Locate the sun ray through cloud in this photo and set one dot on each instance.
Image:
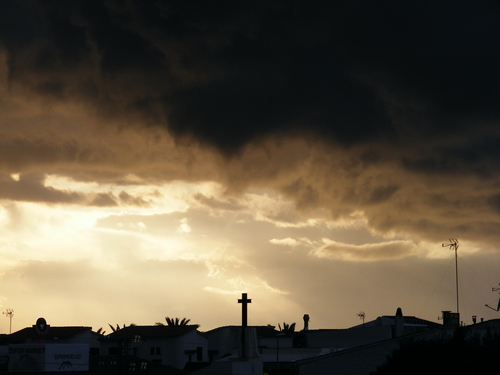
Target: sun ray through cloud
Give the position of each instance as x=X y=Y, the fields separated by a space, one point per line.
x=311 y=154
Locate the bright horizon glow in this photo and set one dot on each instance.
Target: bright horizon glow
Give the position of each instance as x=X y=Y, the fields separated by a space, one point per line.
x=116 y=243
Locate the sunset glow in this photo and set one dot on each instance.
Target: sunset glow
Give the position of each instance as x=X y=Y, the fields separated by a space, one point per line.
x=159 y=160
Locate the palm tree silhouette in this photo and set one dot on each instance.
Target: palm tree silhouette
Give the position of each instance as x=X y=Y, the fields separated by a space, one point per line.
x=177 y=321
x=287 y=328
x=117 y=328
x=174 y=322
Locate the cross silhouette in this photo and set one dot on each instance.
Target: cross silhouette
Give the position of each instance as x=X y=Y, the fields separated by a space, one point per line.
x=244 y=315
x=244 y=301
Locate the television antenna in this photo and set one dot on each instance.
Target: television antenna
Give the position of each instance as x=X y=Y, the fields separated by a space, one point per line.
x=453 y=245
x=361 y=315
x=9 y=313
x=498 y=306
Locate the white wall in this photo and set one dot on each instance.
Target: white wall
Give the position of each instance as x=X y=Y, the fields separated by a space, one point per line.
x=174 y=350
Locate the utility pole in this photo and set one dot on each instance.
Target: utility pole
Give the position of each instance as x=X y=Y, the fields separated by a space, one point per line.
x=9 y=313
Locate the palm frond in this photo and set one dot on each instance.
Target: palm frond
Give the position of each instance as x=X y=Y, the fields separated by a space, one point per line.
x=177 y=321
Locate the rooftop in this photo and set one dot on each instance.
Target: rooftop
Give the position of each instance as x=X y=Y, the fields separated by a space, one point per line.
x=54 y=333
x=156 y=331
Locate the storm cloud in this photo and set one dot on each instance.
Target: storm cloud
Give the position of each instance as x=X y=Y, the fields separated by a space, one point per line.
x=384 y=110
x=228 y=73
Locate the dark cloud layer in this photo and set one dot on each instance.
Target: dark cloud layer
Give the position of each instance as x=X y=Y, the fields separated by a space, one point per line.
x=404 y=98
x=30 y=188
x=227 y=73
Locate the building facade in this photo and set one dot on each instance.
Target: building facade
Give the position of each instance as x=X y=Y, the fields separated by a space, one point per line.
x=173 y=346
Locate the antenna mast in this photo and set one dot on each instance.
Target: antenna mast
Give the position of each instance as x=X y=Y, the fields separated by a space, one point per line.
x=361 y=316
x=453 y=245
x=9 y=313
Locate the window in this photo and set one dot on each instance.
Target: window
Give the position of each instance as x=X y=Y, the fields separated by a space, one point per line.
x=155 y=350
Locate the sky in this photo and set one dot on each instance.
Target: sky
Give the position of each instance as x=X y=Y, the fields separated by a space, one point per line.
x=160 y=158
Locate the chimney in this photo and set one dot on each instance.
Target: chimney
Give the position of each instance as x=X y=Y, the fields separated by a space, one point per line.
x=306 y=322
x=450 y=319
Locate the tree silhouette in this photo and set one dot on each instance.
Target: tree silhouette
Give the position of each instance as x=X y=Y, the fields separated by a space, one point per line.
x=287 y=328
x=177 y=321
x=117 y=328
x=174 y=322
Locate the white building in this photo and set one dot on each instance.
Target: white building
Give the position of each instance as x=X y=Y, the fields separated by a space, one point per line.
x=57 y=335
x=54 y=349
x=173 y=346
x=225 y=341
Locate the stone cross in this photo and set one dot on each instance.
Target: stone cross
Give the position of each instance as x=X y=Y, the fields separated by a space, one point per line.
x=244 y=314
